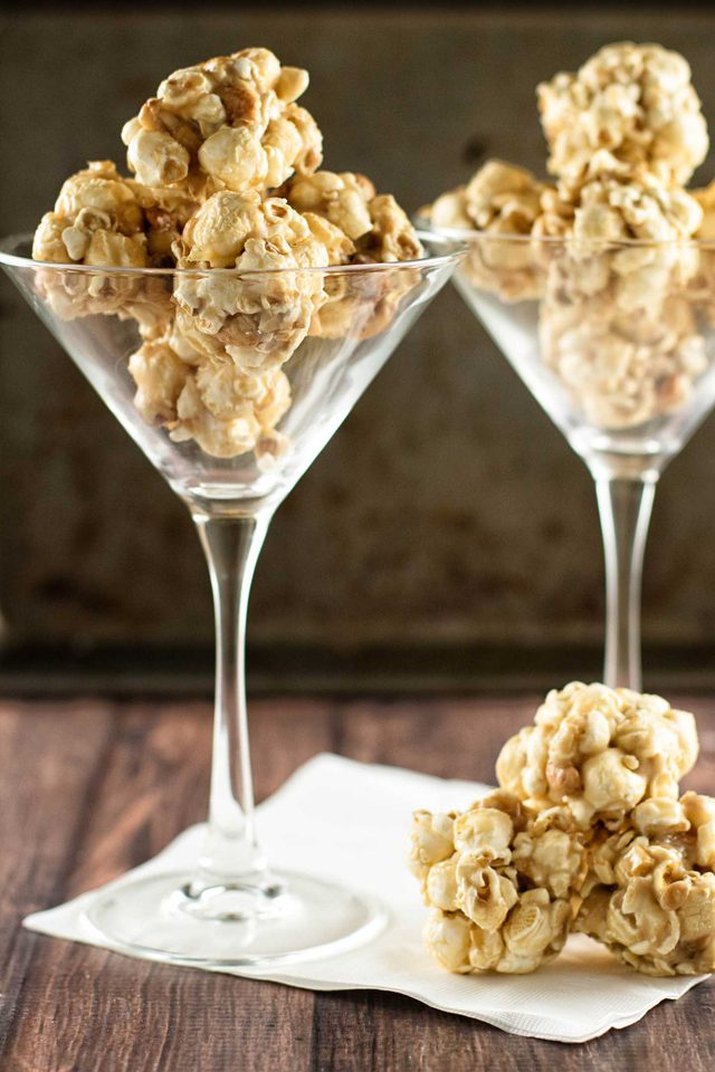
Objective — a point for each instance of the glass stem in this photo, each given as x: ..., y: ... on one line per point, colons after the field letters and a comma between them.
x: 231, y: 853
x: 624, y: 505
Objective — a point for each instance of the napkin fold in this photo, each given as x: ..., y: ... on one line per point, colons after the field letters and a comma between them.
x: 360, y: 840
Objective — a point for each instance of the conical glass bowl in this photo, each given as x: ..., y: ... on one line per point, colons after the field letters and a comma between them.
x: 231, y: 383
x: 616, y: 341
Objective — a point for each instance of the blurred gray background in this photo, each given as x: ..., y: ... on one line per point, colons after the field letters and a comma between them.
x: 447, y: 515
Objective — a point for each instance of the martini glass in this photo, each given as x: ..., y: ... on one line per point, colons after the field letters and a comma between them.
x: 616, y: 341
x: 308, y: 342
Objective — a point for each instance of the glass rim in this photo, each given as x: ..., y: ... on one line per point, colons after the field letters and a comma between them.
x: 470, y: 236
x: 10, y: 259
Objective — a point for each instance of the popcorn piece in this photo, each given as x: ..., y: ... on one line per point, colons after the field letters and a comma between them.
x: 499, y: 879
x: 232, y: 120
x: 634, y: 103
x: 340, y: 248
x: 448, y: 938
x: 160, y: 376
x: 549, y: 855
x: 651, y: 892
x: 431, y: 841
x: 503, y: 198
x: 391, y: 236
x: 599, y: 752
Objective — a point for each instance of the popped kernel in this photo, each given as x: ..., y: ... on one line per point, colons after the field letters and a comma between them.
x: 342, y: 199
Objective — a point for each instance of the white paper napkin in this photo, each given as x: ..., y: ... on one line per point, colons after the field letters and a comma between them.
x: 360, y: 839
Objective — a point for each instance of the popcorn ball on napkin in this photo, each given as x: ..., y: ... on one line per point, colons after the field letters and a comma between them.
x: 587, y: 833
x: 225, y: 166
x: 650, y: 893
x: 498, y: 878
x: 599, y: 752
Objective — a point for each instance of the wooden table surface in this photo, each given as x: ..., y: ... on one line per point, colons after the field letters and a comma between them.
x: 91, y: 788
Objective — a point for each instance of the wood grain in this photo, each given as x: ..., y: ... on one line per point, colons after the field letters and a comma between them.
x: 50, y: 760
x: 89, y: 789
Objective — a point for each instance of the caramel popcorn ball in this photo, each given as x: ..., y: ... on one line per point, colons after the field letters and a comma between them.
x: 650, y: 894
x: 623, y: 365
x: 599, y: 752
x: 231, y: 121
x: 633, y: 103
x: 98, y: 221
x: 616, y: 323
x: 503, y: 201
x: 225, y: 410
x: 500, y: 197
x: 376, y: 230
x: 257, y: 321
x: 499, y: 881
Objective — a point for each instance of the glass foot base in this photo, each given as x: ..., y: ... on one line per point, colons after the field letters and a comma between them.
x: 292, y: 917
